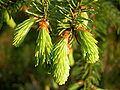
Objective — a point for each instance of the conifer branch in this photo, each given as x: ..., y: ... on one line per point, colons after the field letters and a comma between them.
x: 44, y: 44
x: 65, y: 19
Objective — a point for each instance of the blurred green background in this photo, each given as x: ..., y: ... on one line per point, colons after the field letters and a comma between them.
x: 17, y: 65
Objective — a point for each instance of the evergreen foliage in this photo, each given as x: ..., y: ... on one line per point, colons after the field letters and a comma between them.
x: 9, y: 20
x: 61, y: 25
x: 60, y: 62
x: 88, y: 45
x: 21, y: 31
x: 44, y: 46
x: 73, y: 17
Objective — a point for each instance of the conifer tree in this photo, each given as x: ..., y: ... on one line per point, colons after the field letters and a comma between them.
x: 61, y: 25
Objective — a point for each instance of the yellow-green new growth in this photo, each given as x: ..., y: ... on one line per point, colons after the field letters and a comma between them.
x: 9, y: 20
x: 21, y: 31
x: 88, y: 43
x: 88, y: 46
x: 60, y: 67
x: 43, y: 48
